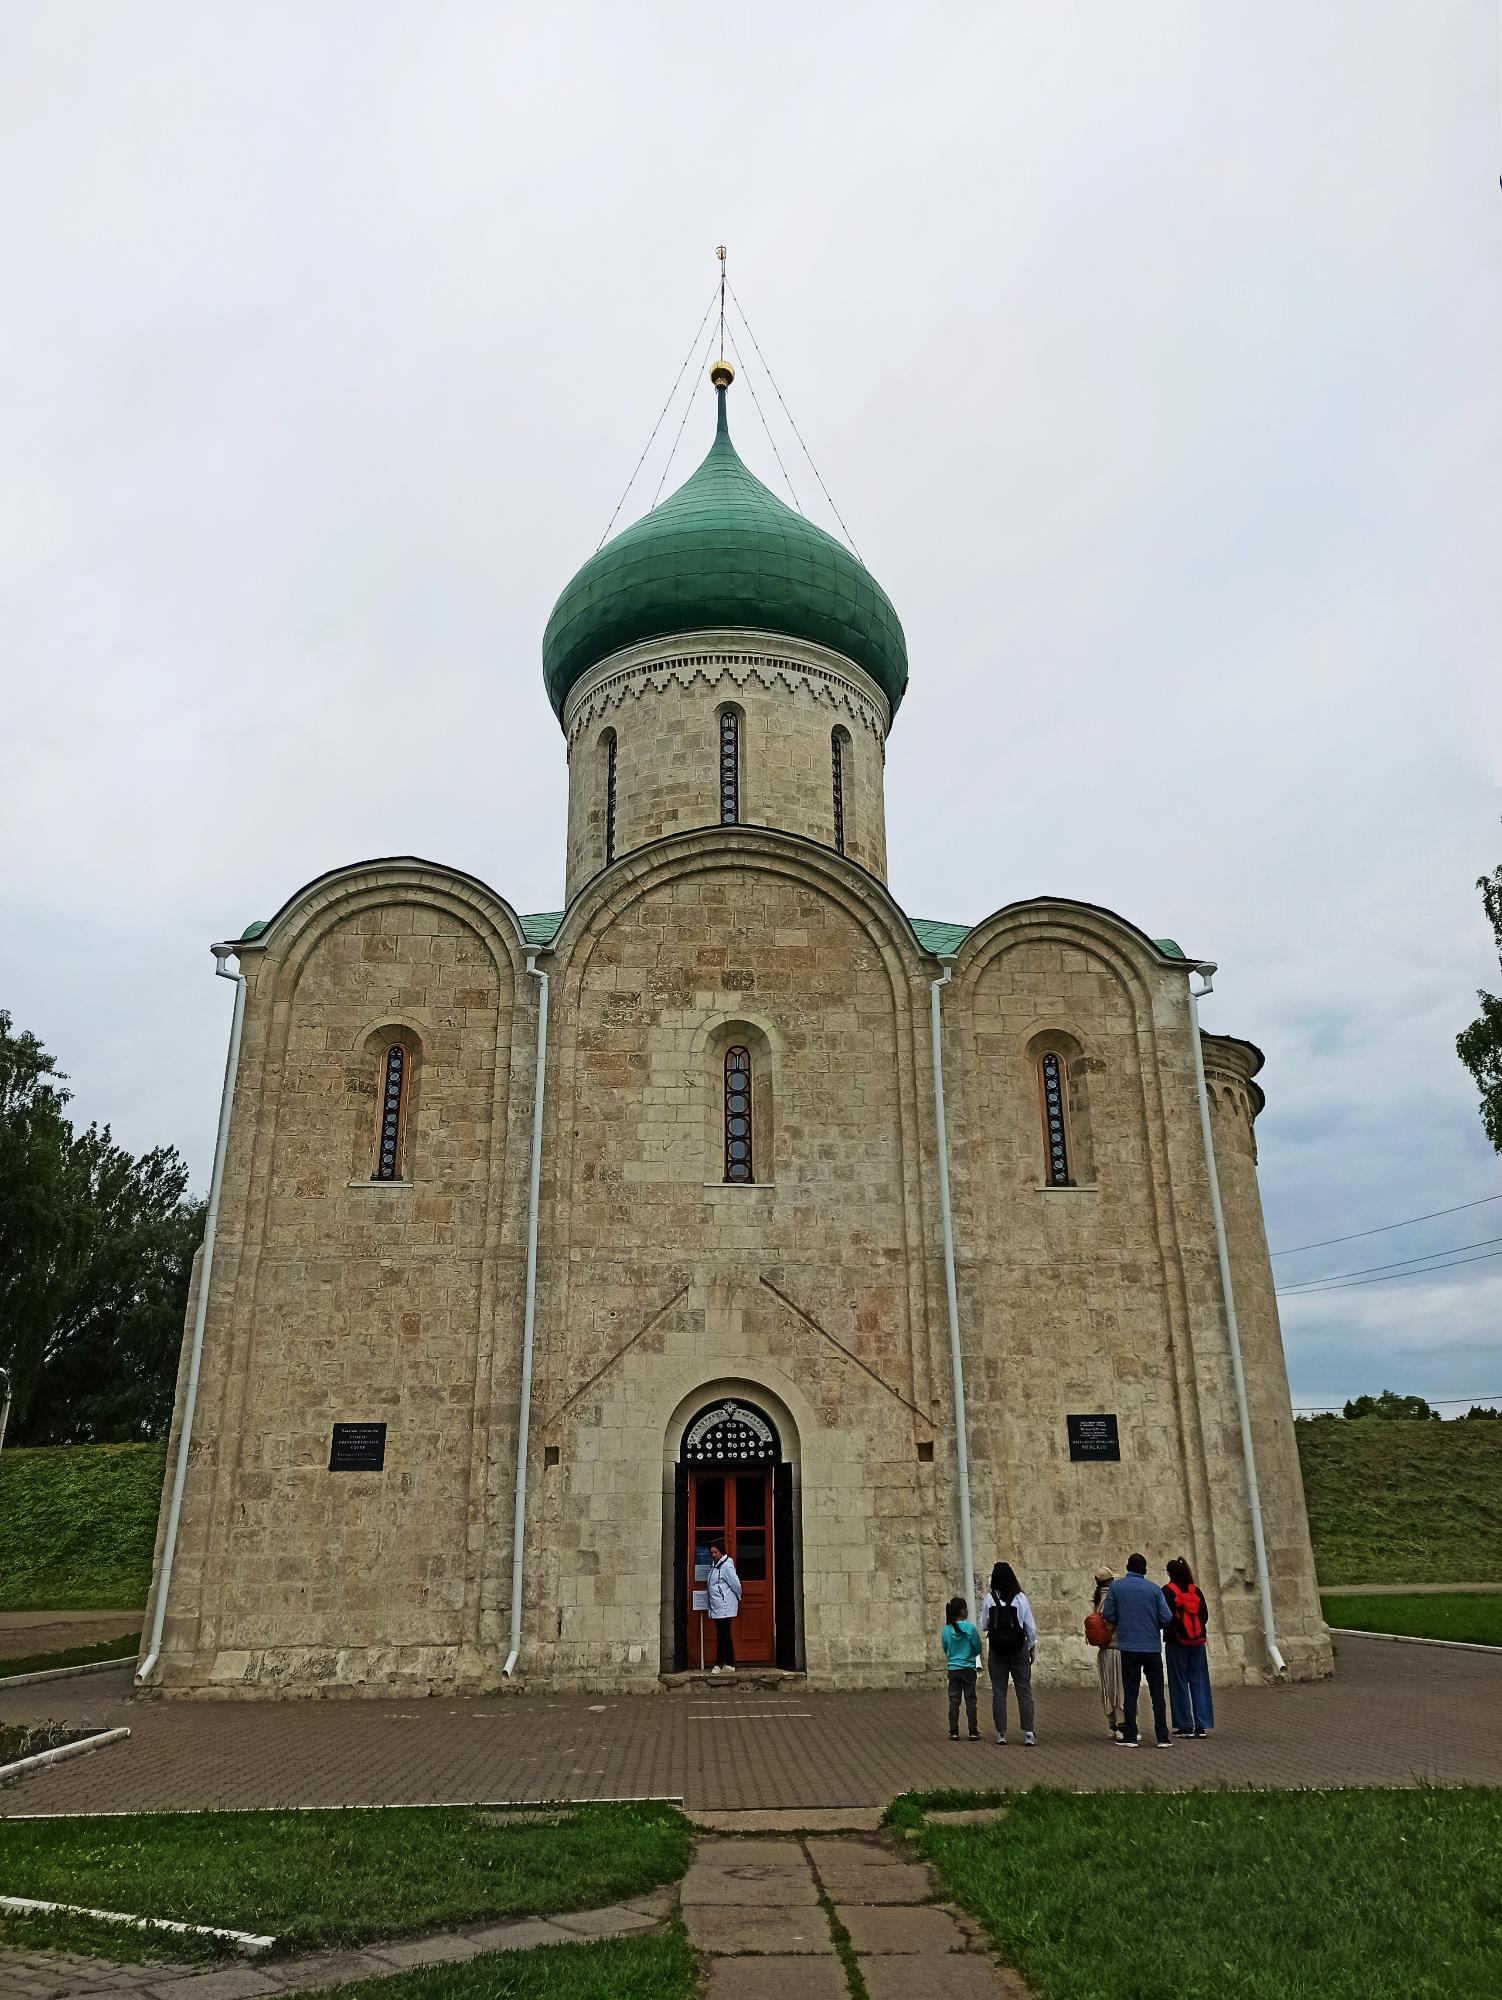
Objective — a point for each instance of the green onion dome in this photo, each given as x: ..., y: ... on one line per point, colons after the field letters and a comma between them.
x: 723, y: 551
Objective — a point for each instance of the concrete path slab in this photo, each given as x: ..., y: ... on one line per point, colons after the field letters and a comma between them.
x: 864, y: 1871
x: 754, y: 1874
x: 954, y: 1976
x: 778, y: 1979
x: 904, y: 1929
x: 800, y: 1931
x: 791, y: 1819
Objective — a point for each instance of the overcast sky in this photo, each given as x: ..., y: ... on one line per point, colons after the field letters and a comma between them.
x: 1150, y: 352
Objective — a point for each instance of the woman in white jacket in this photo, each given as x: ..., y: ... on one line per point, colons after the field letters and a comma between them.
x: 724, y: 1602
x: 1006, y: 1622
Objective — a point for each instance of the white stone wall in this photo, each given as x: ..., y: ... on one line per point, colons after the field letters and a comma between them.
x: 663, y: 704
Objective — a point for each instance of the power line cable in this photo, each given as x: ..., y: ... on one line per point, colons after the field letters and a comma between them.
x: 796, y: 432
x: 1308, y: 1284
x: 1428, y: 1272
x: 1383, y: 1227
x: 746, y: 377
x: 692, y: 350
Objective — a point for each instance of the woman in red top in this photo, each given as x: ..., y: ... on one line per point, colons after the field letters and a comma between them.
x: 1188, y: 1669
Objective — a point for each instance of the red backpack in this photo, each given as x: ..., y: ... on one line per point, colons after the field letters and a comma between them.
x: 1188, y: 1607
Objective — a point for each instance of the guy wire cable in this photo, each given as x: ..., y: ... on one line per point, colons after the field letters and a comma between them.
x: 746, y: 377
x: 796, y: 432
x: 692, y: 349
x: 678, y: 437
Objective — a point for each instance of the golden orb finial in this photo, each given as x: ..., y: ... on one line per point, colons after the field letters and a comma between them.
x: 721, y: 373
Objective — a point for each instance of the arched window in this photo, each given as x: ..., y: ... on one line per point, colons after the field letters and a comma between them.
x: 739, y: 1165
x: 1054, y: 1098
x: 395, y: 1068
x: 839, y: 758
x: 607, y: 742
x: 730, y: 766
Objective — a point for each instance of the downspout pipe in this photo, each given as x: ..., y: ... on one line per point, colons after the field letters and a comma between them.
x: 529, y: 1320
x: 946, y: 1216
x: 4, y: 1404
x: 222, y: 953
x: 1206, y: 969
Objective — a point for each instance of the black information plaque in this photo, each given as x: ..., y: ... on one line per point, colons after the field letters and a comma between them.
x: 1093, y: 1437
x: 362, y: 1448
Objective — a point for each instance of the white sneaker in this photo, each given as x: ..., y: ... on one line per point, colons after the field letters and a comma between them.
x: 1001, y: 1739
x: 1126, y: 1743
x: 1028, y: 1739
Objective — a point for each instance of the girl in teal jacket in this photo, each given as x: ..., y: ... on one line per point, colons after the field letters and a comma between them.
x: 961, y: 1643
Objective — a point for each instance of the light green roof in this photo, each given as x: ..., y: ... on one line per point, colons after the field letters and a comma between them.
x: 939, y: 938
x: 723, y: 551
x: 935, y: 936
x: 541, y: 928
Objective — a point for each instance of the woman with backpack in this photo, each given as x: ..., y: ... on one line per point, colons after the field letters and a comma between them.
x: 1102, y: 1637
x: 1006, y: 1619
x: 1188, y: 1669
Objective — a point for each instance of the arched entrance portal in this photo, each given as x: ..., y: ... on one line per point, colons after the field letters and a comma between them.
x: 732, y: 1485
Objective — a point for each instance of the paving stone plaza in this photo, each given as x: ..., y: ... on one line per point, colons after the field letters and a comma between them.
x: 785, y: 1786
x: 1395, y: 1714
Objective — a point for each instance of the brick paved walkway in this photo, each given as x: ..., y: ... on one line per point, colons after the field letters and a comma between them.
x: 23, y: 1633
x: 1394, y: 1715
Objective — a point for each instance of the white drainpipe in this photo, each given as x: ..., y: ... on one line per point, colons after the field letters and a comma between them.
x: 1259, y: 1546
x: 956, y: 1359
x: 4, y: 1404
x: 529, y: 1315
x: 200, y: 1314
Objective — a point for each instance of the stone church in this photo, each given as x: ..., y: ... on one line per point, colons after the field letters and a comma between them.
x: 730, y: 1201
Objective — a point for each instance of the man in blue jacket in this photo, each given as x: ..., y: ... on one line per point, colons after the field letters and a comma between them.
x: 1139, y: 1611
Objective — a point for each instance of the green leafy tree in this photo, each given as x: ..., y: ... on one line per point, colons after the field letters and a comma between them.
x: 1480, y: 1045
x: 1476, y: 1410
x: 1390, y: 1404
x: 96, y: 1248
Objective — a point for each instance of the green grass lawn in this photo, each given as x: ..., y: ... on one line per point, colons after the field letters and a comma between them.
x: 645, y: 1968
x: 1403, y: 1502
x: 1235, y: 1895
x: 338, y: 1878
x: 77, y: 1523
x: 1463, y: 1614
x: 124, y: 1648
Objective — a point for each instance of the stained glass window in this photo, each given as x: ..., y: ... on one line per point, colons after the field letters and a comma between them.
x: 730, y: 767
x: 731, y: 1433
x: 609, y: 796
x: 738, y: 1165
x: 393, y: 1095
x: 1055, y: 1134
x: 837, y: 743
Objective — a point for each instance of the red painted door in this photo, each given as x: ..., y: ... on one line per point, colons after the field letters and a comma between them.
x: 734, y: 1508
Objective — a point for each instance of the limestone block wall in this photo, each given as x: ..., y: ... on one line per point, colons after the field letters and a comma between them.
x: 339, y: 1298
x: 1101, y: 1297
x: 662, y: 1284
x: 662, y: 705
x: 1235, y: 1101
x: 816, y: 1291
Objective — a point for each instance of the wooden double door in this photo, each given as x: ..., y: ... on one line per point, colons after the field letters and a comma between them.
x: 733, y: 1506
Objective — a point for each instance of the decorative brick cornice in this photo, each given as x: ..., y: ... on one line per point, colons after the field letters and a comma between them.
x: 733, y: 659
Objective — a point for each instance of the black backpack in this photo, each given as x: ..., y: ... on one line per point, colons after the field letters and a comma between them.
x: 1004, y: 1628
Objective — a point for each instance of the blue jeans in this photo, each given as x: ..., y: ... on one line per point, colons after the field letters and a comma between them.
x: 1189, y: 1687
x: 1135, y: 1667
